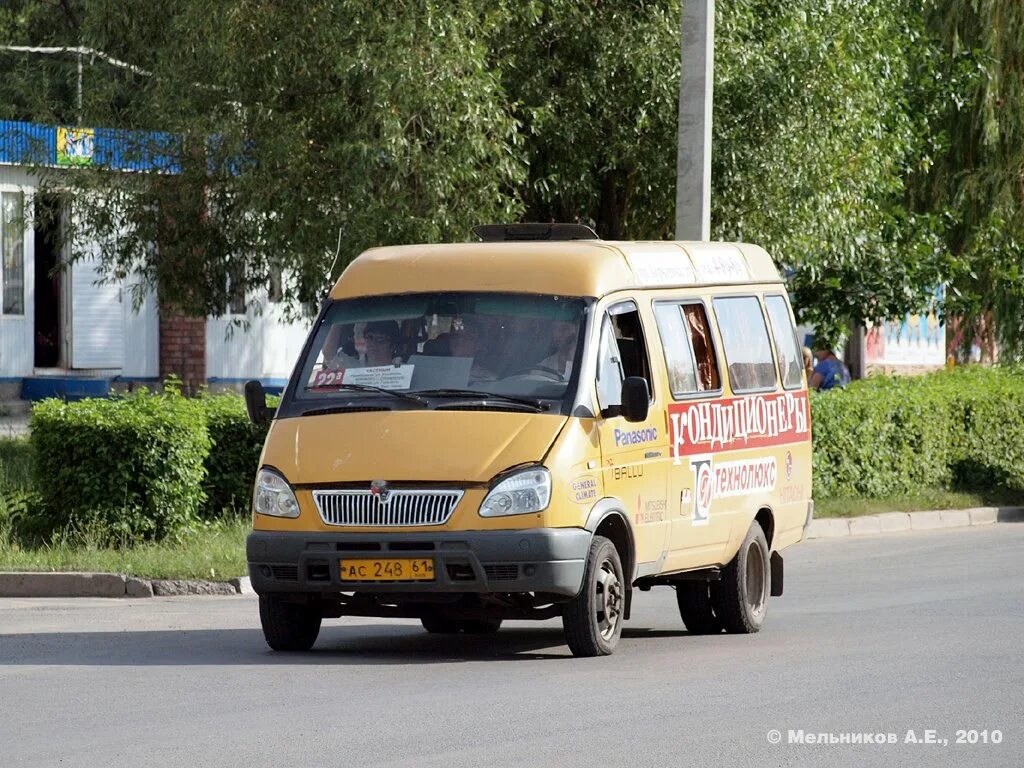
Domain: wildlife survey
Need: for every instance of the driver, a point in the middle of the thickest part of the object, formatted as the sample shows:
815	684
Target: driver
563	339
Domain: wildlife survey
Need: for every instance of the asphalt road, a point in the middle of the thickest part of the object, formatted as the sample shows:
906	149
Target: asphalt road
875	635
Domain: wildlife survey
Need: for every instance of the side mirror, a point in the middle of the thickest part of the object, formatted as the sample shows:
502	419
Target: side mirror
256	403
635	399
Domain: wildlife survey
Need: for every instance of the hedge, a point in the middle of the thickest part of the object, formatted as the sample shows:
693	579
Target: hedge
885	436
131	466
234	454
149	466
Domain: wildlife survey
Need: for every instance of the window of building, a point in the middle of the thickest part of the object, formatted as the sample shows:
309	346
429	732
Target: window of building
748	351
786	347
12	252
622	353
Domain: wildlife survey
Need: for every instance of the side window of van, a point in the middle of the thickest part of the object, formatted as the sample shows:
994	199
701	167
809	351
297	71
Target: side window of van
748	352
689	350
622	353
790	359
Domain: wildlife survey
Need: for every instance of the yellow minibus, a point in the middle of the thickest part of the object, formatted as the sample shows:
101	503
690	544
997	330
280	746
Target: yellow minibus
541	424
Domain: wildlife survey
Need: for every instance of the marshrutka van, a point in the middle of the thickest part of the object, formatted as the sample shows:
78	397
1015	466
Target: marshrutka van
538	425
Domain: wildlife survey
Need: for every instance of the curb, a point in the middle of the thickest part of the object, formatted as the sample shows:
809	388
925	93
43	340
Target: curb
47	584
894	522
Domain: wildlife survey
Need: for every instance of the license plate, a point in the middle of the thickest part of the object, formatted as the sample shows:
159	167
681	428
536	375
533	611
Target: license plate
387	569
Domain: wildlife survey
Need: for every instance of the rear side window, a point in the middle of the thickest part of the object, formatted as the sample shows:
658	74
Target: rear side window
748	352
790	359
689	350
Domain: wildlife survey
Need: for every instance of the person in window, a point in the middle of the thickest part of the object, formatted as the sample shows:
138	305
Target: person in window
380	338
707	369
340	347
563	340
829	372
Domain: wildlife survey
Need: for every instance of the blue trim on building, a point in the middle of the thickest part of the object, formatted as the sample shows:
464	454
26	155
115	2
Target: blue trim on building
111	148
36	388
273	386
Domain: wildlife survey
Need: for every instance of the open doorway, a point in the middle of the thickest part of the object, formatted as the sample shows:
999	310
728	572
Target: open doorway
49	346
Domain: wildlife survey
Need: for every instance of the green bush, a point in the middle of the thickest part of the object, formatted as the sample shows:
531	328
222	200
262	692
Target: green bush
234	455
889	436
131	466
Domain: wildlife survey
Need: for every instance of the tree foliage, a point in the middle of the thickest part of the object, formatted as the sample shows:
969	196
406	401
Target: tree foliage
309	131
874	147
978	177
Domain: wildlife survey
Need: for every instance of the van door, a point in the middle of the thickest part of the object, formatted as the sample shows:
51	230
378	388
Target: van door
634	455
699	530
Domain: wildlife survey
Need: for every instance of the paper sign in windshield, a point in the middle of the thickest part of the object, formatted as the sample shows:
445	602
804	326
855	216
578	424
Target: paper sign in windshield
383	376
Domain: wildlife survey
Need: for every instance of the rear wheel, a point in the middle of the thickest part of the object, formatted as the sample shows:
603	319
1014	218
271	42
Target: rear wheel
288	626
695	608
740	599
593	619
442	626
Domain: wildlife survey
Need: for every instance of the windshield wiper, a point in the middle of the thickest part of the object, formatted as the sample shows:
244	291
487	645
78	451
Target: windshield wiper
410	396
482	397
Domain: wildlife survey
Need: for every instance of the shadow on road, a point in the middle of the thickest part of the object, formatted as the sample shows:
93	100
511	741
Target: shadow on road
363	644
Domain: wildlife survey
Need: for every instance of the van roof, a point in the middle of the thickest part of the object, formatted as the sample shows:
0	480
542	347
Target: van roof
566	268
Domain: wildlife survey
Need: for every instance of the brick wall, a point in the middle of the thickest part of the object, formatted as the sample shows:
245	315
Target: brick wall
183	348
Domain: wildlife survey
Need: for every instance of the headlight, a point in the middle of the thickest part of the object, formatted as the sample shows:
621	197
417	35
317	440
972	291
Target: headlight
273	495
523	492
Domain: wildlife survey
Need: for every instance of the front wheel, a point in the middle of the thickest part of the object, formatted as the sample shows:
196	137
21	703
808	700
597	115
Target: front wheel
593	619
288	626
740	599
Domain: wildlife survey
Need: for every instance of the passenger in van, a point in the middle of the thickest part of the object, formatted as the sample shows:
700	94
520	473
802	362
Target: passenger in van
830	372
563	341
380	337
340	347
700	335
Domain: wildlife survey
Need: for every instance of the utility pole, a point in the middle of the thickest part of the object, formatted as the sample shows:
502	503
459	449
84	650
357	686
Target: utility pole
693	154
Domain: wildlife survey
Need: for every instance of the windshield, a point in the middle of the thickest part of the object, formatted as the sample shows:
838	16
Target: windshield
512	345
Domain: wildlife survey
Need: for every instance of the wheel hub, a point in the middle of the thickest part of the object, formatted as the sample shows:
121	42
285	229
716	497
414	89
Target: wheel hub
609	600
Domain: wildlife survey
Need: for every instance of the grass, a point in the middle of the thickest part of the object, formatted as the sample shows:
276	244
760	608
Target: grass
15	465
215	551
926	499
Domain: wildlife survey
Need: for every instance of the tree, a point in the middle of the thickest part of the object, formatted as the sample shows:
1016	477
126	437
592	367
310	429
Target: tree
595	87
308	131
312	130
814	137
977	181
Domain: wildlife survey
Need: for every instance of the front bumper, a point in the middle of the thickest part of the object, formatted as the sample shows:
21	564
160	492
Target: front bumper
550	560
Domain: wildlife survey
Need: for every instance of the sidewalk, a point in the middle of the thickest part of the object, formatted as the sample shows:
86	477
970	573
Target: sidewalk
895	522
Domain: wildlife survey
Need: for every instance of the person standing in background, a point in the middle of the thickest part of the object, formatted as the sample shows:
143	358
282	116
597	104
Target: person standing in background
829	372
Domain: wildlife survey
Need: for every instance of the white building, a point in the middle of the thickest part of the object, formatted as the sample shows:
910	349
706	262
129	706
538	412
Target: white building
64	333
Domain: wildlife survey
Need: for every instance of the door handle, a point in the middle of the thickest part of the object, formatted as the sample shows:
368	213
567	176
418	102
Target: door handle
652	454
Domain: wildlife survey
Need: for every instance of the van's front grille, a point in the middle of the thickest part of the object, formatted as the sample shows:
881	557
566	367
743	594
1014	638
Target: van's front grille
398	507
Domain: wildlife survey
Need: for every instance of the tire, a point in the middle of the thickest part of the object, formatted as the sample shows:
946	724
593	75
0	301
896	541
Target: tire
593	619
288	626
442	626
695	608
740	599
